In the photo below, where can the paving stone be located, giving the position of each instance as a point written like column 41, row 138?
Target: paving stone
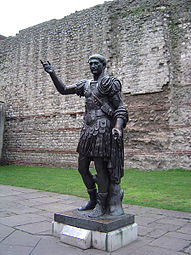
column 161, row 232
column 50, row 246
column 26, row 190
column 154, row 216
column 156, row 233
column 17, row 220
column 7, row 202
column 176, row 214
column 155, row 210
column 6, row 213
column 56, row 207
column 66, row 197
column 37, row 228
column 77, row 203
column 172, row 221
column 167, row 227
column 10, row 198
column 179, row 235
column 132, row 248
column 185, row 229
column 188, row 250
column 22, row 209
column 21, row 238
column 15, row 250
column 149, row 250
column 36, row 194
column 143, row 221
column 92, row 251
column 137, row 210
column 170, row 243
column 5, row 231
column 8, row 191
column 143, row 231
column 47, row 215
column 39, row 201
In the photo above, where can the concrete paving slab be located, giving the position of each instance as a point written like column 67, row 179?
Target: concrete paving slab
column 6, row 213
column 15, row 250
column 161, row 232
column 137, row 210
column 186, row 229
column 8, row 191
column 176, row 214
column 21, row 189
column 39, row 201
column 50, row 246
column 156, row 233
column 96, row 252
column 47, row 215
column 173, row 221
column 171, row 243
column 37, row 228
column 5, row 232
column 188, row 250
column 21, row 209
column 22, row 239
column 133, row 247
column 17, row 220
column 179, row 235
column 149, row 250
column 167, row 227
column 56, row 207
column 37, row 194
column 144, row 221
column 143, row 231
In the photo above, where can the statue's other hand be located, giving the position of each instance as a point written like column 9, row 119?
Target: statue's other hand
column 47, row 66
column 117, row 133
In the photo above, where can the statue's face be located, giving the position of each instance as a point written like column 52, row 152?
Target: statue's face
column 96, row 66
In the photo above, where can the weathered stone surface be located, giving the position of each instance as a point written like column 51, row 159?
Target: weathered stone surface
column 103, row 224
column 2, row 120
column 147, row 45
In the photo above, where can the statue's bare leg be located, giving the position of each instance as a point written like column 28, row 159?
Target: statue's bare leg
column 83, row 168
column 103, row 185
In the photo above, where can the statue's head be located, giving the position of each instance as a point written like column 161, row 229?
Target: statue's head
column 97, row 64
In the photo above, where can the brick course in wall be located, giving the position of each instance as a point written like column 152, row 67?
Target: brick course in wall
column 148, row 47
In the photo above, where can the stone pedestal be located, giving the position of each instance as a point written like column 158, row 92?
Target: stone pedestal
column 106, row 233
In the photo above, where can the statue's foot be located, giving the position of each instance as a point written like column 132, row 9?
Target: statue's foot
column 116, row 210
column 88, row 206
column 115, row 200
column 97, row 212
column 100, row 208
column 92, row 202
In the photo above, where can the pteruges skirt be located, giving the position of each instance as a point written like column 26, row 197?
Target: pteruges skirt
column 95, row 139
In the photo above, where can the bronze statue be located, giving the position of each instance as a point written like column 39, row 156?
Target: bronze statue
column 101, row 138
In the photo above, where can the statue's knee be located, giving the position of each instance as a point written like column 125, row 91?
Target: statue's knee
column 81, row 170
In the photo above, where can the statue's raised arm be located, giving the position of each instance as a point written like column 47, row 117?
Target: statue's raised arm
column 62, row 89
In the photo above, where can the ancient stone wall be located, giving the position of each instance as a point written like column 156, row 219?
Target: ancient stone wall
column 148, row 47
column 2, row 121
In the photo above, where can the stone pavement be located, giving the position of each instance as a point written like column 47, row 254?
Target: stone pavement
column 26, row 216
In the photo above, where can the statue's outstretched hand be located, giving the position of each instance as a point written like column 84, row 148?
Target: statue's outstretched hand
column 47, row 66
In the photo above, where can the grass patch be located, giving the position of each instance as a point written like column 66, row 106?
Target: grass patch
column 160, row 189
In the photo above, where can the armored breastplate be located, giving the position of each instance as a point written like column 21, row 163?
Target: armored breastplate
column 91, row 102
column 92, row 105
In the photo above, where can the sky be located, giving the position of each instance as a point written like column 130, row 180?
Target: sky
column 20, row 14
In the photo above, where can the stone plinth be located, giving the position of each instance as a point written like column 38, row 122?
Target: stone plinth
column 106, row 233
